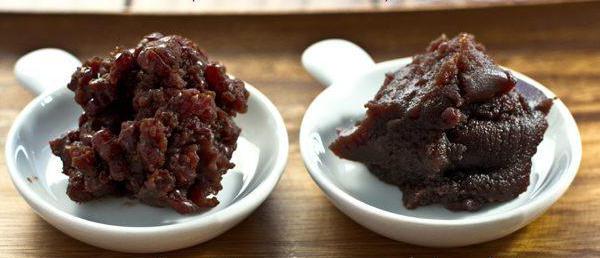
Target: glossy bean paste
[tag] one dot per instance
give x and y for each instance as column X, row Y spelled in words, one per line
column 157, row 125
column 449, row 128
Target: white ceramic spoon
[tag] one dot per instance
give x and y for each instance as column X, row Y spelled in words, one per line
column 119, row 223
column 353, row 79
column 45, row 69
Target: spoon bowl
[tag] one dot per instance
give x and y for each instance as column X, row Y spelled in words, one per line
column 124, row 224
column 378, row 206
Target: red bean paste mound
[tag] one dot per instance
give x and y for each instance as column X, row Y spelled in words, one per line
column 157, row 125
column 449, row 128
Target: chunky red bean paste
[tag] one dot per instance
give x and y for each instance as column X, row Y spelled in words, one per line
column 157, row 125
column 449, row 128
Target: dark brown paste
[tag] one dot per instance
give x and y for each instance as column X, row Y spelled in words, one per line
column 157, row 125
column 449, row 128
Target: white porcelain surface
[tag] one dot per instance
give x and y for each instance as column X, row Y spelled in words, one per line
column 124, row 224
column 378, row 206
column 45, row 69
column 337, row 51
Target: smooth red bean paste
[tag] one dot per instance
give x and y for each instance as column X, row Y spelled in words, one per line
column 157, row 125
column 449, row 128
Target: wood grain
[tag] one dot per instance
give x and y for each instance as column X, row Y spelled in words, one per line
column 174, row 7
column 557, row 45
column 61, row 6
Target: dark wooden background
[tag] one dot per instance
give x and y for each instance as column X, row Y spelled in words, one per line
column 193, row 7
column 558, row 45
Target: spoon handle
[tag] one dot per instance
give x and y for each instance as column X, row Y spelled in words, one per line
column 45, row 69
column 332, row 59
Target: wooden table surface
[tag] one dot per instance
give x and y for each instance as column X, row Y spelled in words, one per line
column 192, row 7
column 558, row 45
